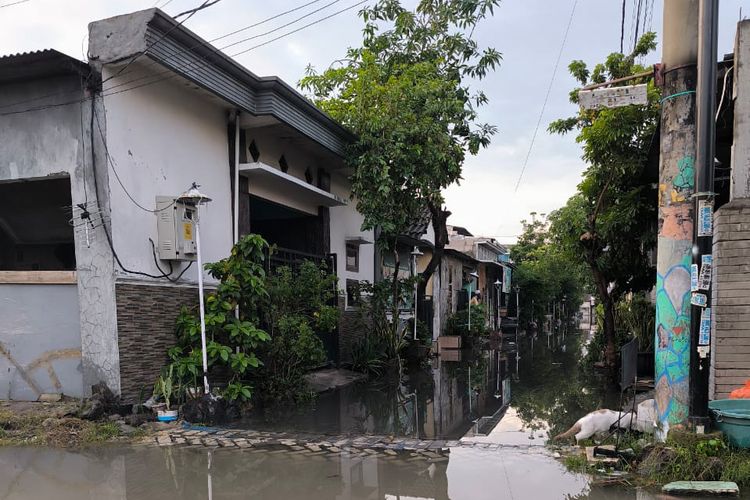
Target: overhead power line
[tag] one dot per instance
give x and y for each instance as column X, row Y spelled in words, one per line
column 546, row 97
column 173, row 56
column 13, row 3
column 202, row 63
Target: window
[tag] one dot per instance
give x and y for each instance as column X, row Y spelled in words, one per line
column 35, row 234
column 353, row 297
column 352, row 257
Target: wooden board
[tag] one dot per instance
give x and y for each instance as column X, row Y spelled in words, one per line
column 38, row 277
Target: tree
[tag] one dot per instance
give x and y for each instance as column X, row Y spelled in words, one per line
column 406, row 95
column 610, row 223
column 545, row 271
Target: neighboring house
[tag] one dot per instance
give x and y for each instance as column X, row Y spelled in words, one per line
column 157, row 109
column 494, row 270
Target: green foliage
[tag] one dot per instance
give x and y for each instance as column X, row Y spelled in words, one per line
column 603, row 223
column 405, row 93
column 458, row 323
column 376, row 319
column 164, row 386
column 231, row 342
column 299, row 305
column 697, row 460
column 367, row 355
column 545, row 271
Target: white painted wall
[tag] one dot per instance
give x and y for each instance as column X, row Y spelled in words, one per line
column 346, row 222
column 162, row 137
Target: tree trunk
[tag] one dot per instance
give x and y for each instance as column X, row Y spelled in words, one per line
column 439, row 219
column 395, row 296
column 610, row 350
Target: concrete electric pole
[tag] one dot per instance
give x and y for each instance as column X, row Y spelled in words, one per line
column 676, row 212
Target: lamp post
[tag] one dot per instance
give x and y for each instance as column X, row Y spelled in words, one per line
column 414, row 255
column 497, row 284
column 473, row 275
column 194, row 197
column 518, row 323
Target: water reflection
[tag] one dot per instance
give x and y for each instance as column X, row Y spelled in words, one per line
column 151, row 473
column 454, row 393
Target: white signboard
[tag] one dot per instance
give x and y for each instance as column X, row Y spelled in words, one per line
column 613, row 97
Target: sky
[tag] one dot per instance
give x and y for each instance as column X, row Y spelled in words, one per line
column 529, row 34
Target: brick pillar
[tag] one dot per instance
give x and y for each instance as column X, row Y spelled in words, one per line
column 730, row 343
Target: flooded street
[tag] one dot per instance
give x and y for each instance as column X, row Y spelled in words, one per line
column 486, row 398
column 152, row 473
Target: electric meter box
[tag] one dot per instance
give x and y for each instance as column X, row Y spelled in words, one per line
column 175, row 227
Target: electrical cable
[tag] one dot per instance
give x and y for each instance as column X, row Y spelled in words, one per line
column 13, row 3
column 189, row 49
column 171, row 270
column 546, row 97
column 192, row 12
column 622, row 28
column 99, row 205
column 723, row 93
column 111, row 162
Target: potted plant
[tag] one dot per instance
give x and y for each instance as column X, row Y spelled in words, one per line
column 164, row 388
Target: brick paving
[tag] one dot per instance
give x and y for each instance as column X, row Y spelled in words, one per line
column 314, row 444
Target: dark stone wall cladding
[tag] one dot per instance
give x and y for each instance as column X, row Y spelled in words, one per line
column 146, row 316
column 351, row 330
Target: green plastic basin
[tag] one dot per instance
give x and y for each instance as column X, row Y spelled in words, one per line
column 732, row 417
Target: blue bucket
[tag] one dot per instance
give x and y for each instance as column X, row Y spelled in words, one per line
column 732, row 417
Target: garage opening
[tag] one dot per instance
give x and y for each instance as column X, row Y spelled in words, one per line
column 35, row 234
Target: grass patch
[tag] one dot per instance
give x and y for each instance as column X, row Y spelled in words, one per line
column 576, row 463
column 23, row 429
column 701, row 459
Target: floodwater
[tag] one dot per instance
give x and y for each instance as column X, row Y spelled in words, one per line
column 189, row 473
column 492, row 396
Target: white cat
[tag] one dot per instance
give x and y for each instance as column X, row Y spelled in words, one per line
column 597, row 422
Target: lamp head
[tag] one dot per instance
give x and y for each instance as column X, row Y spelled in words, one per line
column 194, row 196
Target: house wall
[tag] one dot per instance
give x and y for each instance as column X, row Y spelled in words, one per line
column 161, row 138
column 39, row 353
column 56, row 142
column 730, row 339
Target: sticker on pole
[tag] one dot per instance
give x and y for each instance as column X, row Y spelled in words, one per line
column 704, row 277
column 699, row 299
column 705, row 218
column 704, row 335
column 693, row 277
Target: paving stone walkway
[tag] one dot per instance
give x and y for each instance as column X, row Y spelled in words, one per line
column 315, row 444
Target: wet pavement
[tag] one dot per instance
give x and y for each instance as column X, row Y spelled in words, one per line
column 468, row 427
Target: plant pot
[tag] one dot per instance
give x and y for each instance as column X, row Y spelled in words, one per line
column 166, row 415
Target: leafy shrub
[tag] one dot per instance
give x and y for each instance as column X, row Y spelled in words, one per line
column 458, row 323
column 299, row 306
column 231, row 342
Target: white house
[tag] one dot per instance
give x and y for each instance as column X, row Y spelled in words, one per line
column 155, row 109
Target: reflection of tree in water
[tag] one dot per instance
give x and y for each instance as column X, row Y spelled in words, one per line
column 554, row 389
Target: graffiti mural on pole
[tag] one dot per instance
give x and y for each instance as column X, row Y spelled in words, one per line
column 673, row 288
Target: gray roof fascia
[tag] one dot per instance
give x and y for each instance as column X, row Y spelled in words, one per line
column 193, row 58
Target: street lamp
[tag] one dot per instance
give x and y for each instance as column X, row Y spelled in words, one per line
column 497, row 284
column 473, row 275
column 518, row 323
column 194, row 197
column 414, row 255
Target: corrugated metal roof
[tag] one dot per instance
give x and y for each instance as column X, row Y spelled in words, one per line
column 40, row 63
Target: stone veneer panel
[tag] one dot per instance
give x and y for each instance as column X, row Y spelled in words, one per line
column 146, row 316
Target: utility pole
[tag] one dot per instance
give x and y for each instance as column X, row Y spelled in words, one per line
column 676, row 213
column 700, row 333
